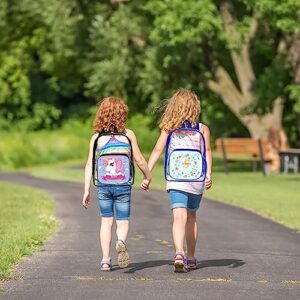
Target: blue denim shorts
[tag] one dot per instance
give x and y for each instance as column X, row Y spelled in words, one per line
column 114, row 200
column 185, row 200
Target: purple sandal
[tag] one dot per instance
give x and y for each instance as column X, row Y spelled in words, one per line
column 180, row 264
column 192, row 263
column 105, row 265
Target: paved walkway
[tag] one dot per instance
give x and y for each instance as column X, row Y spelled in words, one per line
column 243, row 256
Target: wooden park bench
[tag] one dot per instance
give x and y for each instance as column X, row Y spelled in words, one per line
column 243, row 149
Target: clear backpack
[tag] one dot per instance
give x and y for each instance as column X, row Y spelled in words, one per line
column 113, row 162
column 185, row 156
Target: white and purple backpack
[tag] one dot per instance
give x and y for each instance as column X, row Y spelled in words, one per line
column 113, row 162
column 185, row 157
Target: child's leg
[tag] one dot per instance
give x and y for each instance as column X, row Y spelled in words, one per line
column 191, row 224
column 122, row 230
column 179, row 224
column 105, row 236
column 106, row 210
column 122, row 196
column 191, row 231
column 178, row 203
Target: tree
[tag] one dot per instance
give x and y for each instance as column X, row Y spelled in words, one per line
column 234, row 48
column 114, row 59
column 38, row 61
column 58, row 58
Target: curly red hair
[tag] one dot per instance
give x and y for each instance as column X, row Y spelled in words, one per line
column 111, row 115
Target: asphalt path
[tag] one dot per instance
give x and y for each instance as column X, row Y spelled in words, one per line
column 242, row 255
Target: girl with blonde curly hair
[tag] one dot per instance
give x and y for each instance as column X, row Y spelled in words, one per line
column 183, row 107
column 114, row 200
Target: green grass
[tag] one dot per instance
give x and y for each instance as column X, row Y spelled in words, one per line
column 26, row 220
column 18, row 150
column 71, row 142
column 274, row 196
column 67, row 171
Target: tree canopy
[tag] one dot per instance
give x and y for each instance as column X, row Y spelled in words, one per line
column 57, row 58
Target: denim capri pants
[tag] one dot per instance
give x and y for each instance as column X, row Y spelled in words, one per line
column 114, row 200
column 184, row 200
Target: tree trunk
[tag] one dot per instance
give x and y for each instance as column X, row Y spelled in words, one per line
column 257, row 125
column 294, row 57
column 239, row 98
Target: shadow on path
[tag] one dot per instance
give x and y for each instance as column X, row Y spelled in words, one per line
column 148, row 264
column 231, row 263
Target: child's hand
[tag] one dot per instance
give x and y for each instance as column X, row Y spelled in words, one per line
column 208, row 182
column 145, row 184
column 86, row 200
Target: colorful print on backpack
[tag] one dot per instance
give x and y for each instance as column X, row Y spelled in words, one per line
column 185, row 158
column 112, row 163
column 113, row 169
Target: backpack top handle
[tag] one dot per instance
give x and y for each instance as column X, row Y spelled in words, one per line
column 187, row 124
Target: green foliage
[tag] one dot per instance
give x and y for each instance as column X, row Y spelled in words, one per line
column 21, row 149
column 283, row 15
column 221, row 121
column 26, row 220
column 14, row 83
column 112, row 66
column 271, row 83
column 180, row 22
column 146, row 137
column 58, row 57
column 38, row 61
column 188, row 37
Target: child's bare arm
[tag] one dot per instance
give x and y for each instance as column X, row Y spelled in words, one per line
column 206, row 133
column 138, row 156
column 88, row 173
column 158, row 149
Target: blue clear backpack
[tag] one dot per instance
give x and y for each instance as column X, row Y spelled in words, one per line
column 185, row 156
column 113, row 162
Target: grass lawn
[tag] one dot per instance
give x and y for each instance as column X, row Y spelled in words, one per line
column 26, row 220
column 68, row 171
column 275, row 197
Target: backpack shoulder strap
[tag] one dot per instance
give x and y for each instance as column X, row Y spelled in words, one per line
column 198, row 126
column 94, row 155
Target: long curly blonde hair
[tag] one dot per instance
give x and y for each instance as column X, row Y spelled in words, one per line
column 183, row 105
column 111, row 115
